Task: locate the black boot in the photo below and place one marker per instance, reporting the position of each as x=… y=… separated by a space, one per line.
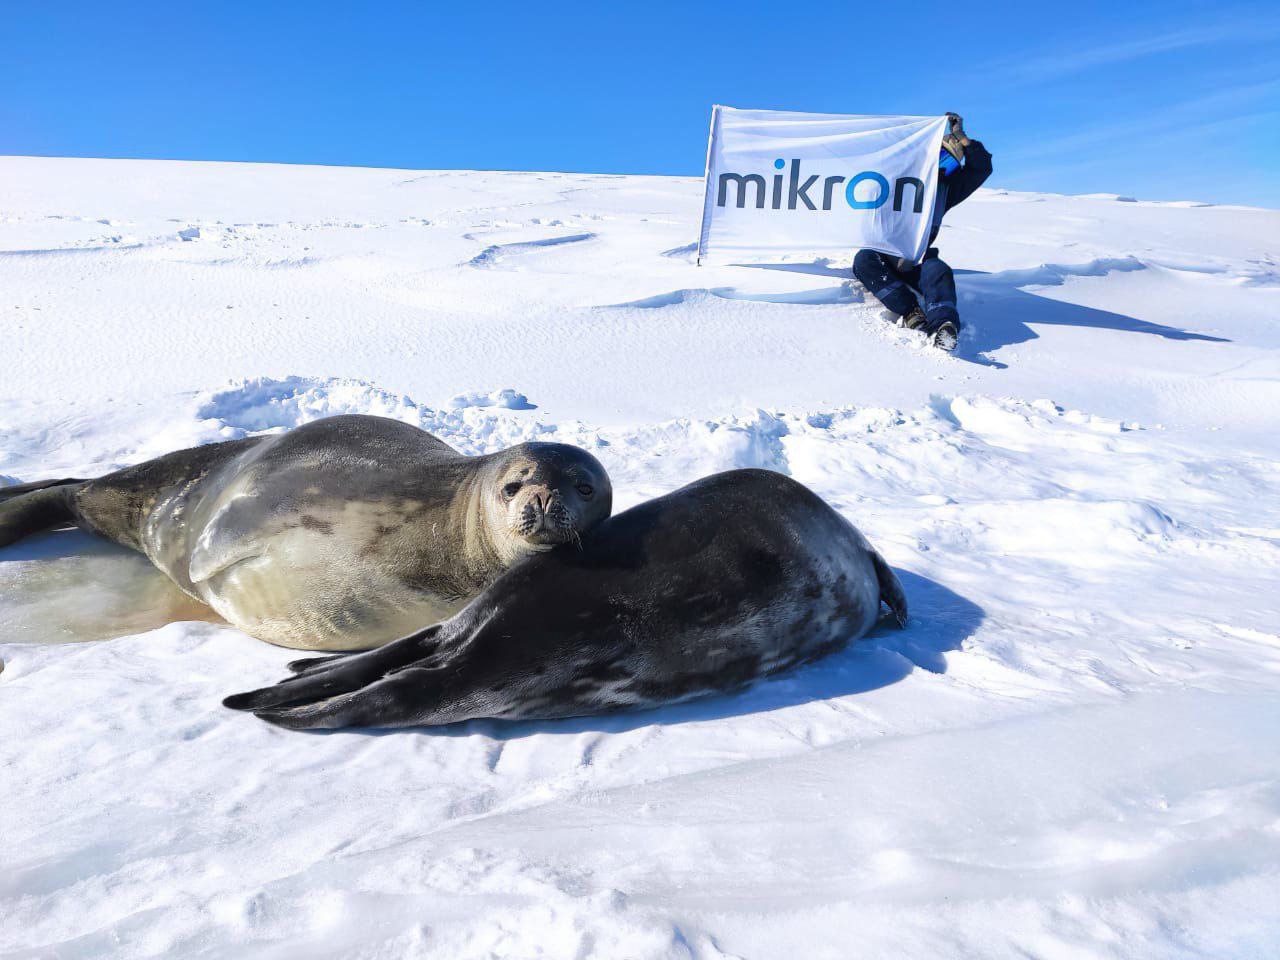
x=946 y=336
x=913 y=320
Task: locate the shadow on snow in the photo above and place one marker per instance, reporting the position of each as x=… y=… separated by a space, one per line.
x=997 y=312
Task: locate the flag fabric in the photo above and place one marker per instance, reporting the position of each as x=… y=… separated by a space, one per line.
x=780 y=182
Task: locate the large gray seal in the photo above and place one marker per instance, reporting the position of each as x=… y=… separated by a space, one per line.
x=341 y=534
x=732 y=578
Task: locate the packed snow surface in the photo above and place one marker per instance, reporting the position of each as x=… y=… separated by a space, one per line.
x=1072 y=751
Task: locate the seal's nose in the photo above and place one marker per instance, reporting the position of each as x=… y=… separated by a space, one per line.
x=543 y=517
x=539 y=502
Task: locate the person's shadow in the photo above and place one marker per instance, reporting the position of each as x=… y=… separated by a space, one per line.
x=940 y=621
x=997 y=313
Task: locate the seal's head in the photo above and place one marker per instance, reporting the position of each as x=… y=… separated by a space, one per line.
x=546 y=494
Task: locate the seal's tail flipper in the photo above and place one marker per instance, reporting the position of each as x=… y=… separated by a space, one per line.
x=318 y=680
x=396 y=700
x=309 y=664
x=38 y=507
x=891 y=594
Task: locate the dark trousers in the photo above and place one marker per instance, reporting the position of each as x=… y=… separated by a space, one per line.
x=897 y=289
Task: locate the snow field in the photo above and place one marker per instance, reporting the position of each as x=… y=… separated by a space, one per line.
x=1070 y=752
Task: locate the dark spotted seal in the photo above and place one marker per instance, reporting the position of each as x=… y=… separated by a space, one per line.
x=727 y=580
x=342 y=534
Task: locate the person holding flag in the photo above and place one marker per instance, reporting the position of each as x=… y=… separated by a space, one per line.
x=923 y=294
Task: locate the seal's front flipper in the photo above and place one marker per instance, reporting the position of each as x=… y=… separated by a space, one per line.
x=37 y=510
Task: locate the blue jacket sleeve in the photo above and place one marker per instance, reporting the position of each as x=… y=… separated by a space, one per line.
x=974 y=173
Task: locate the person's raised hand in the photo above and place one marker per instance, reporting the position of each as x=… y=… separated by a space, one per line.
x=957 y=128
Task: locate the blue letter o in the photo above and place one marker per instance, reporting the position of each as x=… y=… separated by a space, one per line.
x=867 y=204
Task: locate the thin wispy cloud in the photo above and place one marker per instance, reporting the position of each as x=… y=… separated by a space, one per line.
x=1217 y=107
x=1104 y=160
x=1053 y=64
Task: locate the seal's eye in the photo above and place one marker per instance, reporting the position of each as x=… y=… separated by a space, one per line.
x=511 y=489
x=585 y=489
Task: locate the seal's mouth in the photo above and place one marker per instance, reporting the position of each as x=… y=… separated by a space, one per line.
x=544 y=520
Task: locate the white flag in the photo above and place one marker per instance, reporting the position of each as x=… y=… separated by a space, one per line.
x=782 y=182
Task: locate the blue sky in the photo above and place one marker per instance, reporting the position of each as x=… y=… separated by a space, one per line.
x=1166 y=100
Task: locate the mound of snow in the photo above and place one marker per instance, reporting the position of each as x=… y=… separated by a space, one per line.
x=506 y=398
x=262 y=404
